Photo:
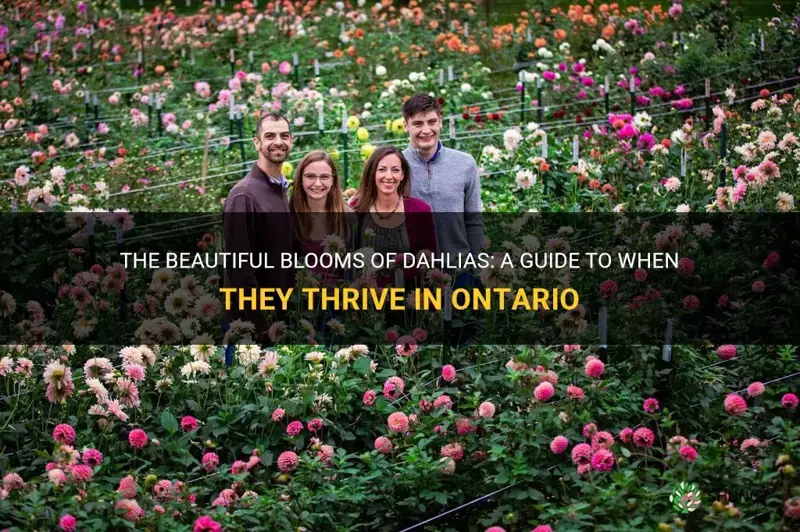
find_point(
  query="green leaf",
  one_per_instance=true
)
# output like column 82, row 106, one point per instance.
column 625, row 452
column 169, row 422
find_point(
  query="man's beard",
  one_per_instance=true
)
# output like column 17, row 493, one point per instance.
column 274, row 157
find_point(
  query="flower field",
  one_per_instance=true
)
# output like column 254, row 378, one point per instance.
column 683, row 109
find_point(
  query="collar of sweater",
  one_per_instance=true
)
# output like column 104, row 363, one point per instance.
column 422, row 159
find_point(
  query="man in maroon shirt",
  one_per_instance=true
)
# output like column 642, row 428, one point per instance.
column 256, row 220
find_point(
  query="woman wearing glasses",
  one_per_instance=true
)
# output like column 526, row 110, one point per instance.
column 321, row 217
column 389, row 219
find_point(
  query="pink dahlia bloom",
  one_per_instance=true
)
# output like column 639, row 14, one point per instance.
column 735, row 405
column 644, row 438
column 602, row 440
column 581, row 454
column 589, row 430
column 443, row 401
column 383, row 445
column 315, row 425
column 67, row 523
column 791, row 508
column 287, row 461
column 64, row 434
column 726, row 352
column 238, row 467
column 12, row 481
column 651, row 405
column 453, row 450
column 137, row 438
column 640, row 274
column 210, row 461
column 595, row 368
column 749, row 443
column 294, row 428
column 758, row 287
column 559, row 444
column 449, row 373
column 691, row 303
column 188, row 423
column 464, row 426
column 575, row 392
column 206, row 524
column 393, row 387
column 133, row 512
column 406, row 346
column 608, row 288
column 544, row 392
column 603, row 460
column 92, row 457
column 626, row 435
column 486, row 410
column 755, row 389
column 398, row 422
column 128, row 487
column 368, row 398
column 688, row 453
column 419, row 335
column 278, row 414
column 543, row 528
column 495, row 529
column 81, row 473
column 686, row 266
column 789, row 401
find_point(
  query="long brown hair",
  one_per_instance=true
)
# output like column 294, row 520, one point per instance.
column 368, row 190
column 335, row 208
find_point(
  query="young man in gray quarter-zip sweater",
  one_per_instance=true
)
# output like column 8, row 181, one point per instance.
column 446, row 179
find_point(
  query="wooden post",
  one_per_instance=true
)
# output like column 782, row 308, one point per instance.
column 204, row 170
column 723, row 153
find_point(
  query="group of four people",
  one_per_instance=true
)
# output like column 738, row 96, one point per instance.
column 426, row 197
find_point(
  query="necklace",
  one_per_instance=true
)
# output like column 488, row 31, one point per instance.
column 381, row 216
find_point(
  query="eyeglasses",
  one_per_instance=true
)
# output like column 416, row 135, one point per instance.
column 323, row 178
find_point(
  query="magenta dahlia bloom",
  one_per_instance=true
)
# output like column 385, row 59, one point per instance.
column 278, row 414
column 688, row 453
column 686, row 266
column 67, row 523
column 789, row 401
column 608, row 288
column 315, row 425
column 287, row 461
column 543, row 528
column 644, row 438
column 603, row 460
column 651, row 405
column 64, row 434
column 726, row 352
column 210, row 461
column 581, row 453
column 544, row 392
column 189, row 423
column 206, row 524
column 406, row 346
column 691, row 303
column 137, row 438
column 398, row 422
column 449, row 373
column 294, row 428
column 626, row 435
column 735, row 405
column 559, row 444
column 92, row 457
column 589, row 430
column 368, row 398
column 758, row 287
column 495, row 529
column 595, row 368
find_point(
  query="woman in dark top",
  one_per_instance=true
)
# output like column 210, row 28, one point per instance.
column 389, row 219
column 320, row 214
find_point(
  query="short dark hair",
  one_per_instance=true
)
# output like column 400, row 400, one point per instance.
column 275, row 117
column 420, row 103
